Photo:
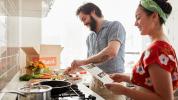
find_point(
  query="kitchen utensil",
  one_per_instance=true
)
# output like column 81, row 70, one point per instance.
column 35, row 92
column 58, row 86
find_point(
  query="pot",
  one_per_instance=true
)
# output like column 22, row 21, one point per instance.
column 36, row 92
column 58, row 87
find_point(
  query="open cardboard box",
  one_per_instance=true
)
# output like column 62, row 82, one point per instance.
column 48, row 54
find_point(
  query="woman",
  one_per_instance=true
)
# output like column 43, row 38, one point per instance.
column 155, row 75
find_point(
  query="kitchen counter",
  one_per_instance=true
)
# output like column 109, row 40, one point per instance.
column 15, row 84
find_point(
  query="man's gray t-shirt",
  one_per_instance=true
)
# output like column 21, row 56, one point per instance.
column 110, row 31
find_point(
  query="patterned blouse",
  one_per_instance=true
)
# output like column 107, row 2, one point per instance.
column 161, row 53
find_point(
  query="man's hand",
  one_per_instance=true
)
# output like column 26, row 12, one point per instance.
column 74, row 66
column 78, row 63
column 68, row 71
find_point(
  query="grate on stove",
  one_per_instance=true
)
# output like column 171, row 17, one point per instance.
column 73, row 92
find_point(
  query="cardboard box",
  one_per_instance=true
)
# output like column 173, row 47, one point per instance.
column 48, row 54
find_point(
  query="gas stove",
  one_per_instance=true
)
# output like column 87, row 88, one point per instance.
column 77, row 92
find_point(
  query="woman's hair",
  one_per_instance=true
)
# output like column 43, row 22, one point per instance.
column 88, row 8
column 164, row 5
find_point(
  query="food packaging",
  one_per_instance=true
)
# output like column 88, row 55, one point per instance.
column 98, row 73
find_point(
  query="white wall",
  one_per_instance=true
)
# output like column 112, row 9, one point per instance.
column 171, row 25
column 13, row 31
column 30, row 31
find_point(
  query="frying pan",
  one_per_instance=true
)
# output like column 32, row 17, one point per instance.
column 58, row 86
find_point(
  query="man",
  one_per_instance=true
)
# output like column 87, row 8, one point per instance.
column 106, row 46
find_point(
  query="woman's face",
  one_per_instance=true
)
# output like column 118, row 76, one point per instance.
column 143, row 21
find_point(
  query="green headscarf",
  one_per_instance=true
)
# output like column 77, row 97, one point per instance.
column 154, row 7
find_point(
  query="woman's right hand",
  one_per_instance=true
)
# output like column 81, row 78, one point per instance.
column 119, row 77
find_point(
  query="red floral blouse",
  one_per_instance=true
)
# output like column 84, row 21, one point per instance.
column 161, row 53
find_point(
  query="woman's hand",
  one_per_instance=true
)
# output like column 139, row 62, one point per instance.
column 115, row 87
column 119, row 77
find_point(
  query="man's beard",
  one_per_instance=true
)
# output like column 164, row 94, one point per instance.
column 92, row 24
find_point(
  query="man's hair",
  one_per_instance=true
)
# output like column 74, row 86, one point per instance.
column 87, row 8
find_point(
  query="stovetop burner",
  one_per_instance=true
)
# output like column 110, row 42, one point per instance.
column 73, row 92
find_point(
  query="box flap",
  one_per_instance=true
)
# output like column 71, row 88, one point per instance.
column 48, row 54
column 50, row 49
column 29, row 50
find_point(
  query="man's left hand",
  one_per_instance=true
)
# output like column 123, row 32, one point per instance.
column 77, row 63
column 74, row 65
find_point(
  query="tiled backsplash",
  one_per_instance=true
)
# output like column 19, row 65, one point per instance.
column 9, row 56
